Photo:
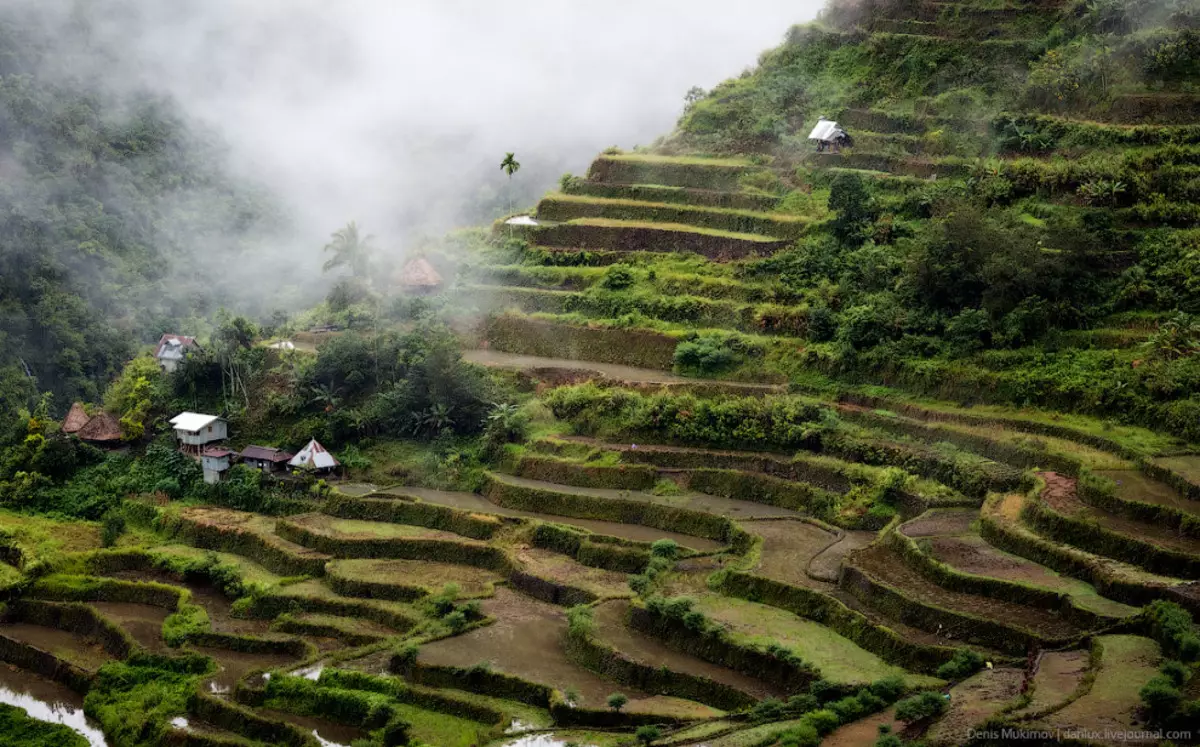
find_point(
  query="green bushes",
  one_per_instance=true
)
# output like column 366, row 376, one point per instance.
column 518, row 334
column 921, row 707
column 963, row 664
column 431, row 700
column 1171, row 626
column 774, row 422
column 20, row 730
column 679, row 626
column 659, row 516
column 584, row 475
column 592, row 653
column 610, row 553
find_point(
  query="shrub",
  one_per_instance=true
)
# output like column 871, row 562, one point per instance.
column 888, row 688
column 919, row 707
column 823, row 721
column 112, row 527
column 1176, row 671
column 963, row 664
column 647, row 734
column 617, row 701
column 804, row 735
column 664, row 548
column 618, row 277
column 1161, row 697
column 1171, row 626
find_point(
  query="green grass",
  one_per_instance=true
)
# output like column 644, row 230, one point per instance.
column 682, row 160
column 587, row 200
column 249, row 571
column 679, row 227
column 21, row 730
column 838, row 658
column 444, row 730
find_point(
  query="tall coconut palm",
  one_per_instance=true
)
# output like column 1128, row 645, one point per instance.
column 350, row 249
column 510, row 165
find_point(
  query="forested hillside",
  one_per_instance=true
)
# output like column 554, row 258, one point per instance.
column 117, row 222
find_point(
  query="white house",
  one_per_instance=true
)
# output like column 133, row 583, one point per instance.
column 830, row 135
column 216, row 462
column 314, row 457
column 172, row 349
column 195, row 430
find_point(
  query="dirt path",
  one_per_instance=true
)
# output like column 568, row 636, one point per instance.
column 1062, row 496
column 827, row 565
column 1134, row 485
column 941, row 523
column 479, row 504
column 972, row 702
column 611, row 629
column 888, row 566
column 863, row 731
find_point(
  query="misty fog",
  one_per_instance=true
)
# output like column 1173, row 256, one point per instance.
column 397, row 114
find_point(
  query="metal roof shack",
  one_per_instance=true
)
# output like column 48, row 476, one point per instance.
column 194, row 429
column 172, row 349
column 265, row 458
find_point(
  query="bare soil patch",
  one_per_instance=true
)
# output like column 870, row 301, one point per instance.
column 886, row 565
column 1112, row 705
column 564, row 570
column 77, row 650
column 788, row 548
column 420, row 574
column 233, row 665
column 1061, row 495
column 827, row 565
column 971, row 554
column 973, row 701
column 1059, row 675
column 941, row 523
column 141, row 621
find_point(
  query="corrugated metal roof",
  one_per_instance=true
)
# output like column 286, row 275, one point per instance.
column 265, row 453
column 826, row 129
column 192, row 421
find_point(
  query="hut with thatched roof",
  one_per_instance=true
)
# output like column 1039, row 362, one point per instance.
column 102, row 429
column 419, row 276
column 76, row 419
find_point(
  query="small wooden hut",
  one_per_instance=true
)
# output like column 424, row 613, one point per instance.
column 102, row 429
column 418, row 276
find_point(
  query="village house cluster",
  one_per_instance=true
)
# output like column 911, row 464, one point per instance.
column 201, row 435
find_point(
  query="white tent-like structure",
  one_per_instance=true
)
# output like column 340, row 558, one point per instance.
column 827, row 132
column 314, row 457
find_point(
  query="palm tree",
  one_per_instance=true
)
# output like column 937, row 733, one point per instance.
column 510, row 166
column 351, row 250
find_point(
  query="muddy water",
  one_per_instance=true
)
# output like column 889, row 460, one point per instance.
column 48, row 701
column 328, row 734
column 233, row 665
column 636, row 532
column 141, row 621
column 72, row 648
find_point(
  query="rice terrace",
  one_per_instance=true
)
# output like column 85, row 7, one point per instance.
column 863, row 408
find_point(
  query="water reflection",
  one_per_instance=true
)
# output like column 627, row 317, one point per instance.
column 48, row 701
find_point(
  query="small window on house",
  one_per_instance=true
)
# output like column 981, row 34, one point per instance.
column 210, row 429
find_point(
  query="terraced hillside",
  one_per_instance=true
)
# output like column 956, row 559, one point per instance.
column 901, row 435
